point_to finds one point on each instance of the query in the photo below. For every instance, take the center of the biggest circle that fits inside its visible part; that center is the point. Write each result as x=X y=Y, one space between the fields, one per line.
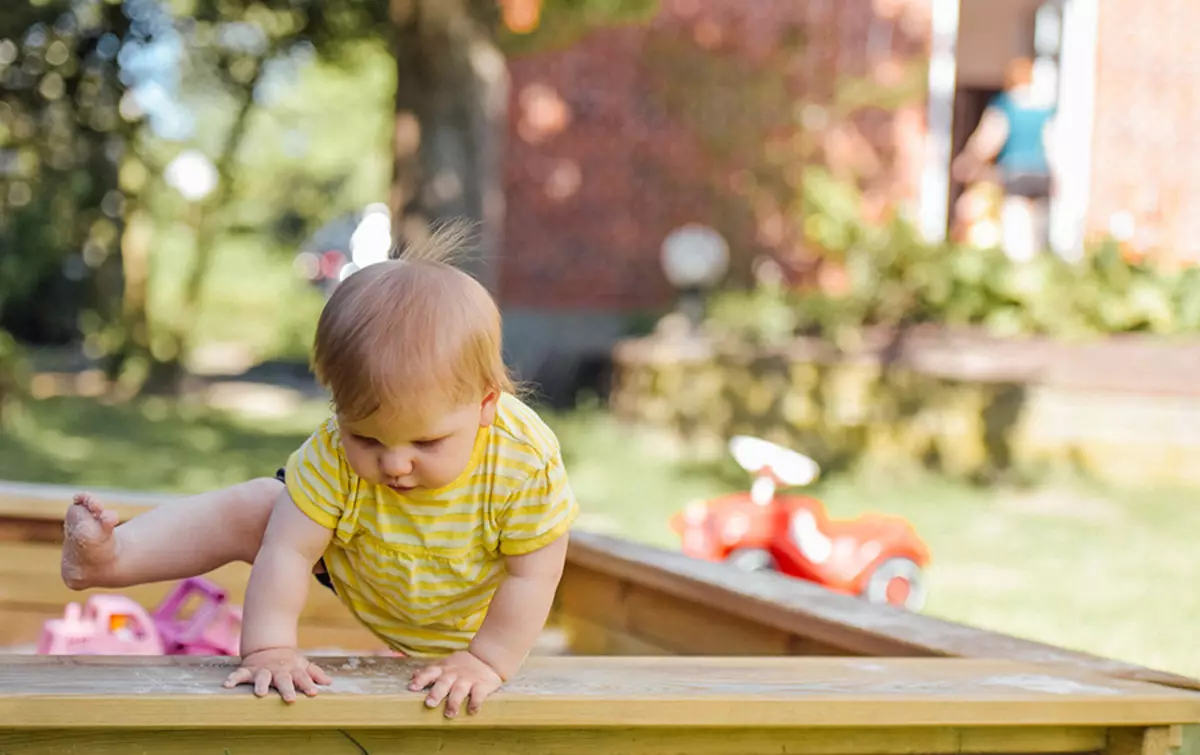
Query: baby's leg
x=172 y=541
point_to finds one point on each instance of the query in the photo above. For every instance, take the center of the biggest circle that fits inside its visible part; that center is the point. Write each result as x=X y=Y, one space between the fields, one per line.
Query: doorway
x=972 y=42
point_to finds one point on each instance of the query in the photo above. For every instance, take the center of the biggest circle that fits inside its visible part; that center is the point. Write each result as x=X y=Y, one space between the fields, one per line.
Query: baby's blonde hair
x=413 y=335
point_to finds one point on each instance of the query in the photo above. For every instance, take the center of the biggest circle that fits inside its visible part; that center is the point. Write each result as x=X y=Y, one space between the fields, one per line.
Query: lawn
x=1109 y=572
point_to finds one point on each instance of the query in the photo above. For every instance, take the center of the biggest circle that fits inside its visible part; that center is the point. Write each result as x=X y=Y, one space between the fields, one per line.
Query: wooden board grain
x=606 y=570
x=179 y=692
x=575 y=741
x=36 y=501
x=29 y=574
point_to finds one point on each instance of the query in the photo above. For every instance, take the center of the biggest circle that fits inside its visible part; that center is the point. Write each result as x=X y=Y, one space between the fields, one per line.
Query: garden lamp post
x=694 y=259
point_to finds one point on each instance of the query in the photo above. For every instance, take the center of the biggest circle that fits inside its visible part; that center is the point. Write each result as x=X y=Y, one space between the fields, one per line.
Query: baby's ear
x=487 y=407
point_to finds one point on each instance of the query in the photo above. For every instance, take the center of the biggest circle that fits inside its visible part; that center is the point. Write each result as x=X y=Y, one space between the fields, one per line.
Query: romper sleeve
x=538 y=512
x=318 y=477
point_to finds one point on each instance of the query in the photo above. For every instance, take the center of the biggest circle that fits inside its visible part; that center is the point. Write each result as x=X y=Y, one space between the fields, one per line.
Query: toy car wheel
x=751 y=559
x=898 y=582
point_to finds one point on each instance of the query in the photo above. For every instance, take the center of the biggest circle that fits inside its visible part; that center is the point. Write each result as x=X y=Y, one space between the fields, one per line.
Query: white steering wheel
x=791 y=467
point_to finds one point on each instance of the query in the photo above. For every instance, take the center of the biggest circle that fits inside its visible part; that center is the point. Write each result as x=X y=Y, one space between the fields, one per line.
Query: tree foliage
x=61 y=142
x=97 y=97
x=537 y=25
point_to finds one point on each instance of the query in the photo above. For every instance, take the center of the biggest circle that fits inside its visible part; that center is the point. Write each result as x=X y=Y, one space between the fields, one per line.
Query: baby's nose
x=396 y=464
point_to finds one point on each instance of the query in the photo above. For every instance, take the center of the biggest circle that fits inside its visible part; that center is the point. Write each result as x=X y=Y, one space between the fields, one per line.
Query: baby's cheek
x=362 y=463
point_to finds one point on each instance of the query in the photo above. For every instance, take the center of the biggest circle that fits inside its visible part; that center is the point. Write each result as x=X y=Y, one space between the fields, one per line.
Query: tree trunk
x=167 y=376
x=451 y=108
x=133 y=321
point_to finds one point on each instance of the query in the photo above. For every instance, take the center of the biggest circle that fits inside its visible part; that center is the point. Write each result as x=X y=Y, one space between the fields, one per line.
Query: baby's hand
x=454 y=679
x=285 y=669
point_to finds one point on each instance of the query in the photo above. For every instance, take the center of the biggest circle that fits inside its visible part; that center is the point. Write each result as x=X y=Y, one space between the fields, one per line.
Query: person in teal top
x=1015 y=132
x=1024 y=151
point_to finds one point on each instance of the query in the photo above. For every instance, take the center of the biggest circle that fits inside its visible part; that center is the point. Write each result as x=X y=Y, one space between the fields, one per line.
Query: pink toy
x=115 y=625
x=214 y=628
x=106 y=625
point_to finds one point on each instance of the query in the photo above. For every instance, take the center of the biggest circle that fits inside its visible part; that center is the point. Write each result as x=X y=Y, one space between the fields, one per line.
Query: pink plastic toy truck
x=115 y=625
x=105 y=625
x=214 y=628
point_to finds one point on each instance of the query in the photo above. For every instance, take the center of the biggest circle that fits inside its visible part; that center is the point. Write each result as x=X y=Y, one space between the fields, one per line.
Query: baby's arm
x=534 y=524
x=515 y=618
x=275 y=596
x=519 y=609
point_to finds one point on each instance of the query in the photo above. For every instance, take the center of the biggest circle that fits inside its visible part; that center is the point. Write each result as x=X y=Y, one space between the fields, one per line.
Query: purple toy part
x=214 y=628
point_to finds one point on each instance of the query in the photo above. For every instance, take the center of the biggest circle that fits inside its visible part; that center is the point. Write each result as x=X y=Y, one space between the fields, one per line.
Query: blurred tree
x=231 y=51
x=100 y=97
x=82 y=155
x=452 y=98
x=61 y=143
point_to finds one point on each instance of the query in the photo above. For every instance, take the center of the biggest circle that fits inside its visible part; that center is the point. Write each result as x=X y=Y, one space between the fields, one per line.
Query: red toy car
x=877 y=557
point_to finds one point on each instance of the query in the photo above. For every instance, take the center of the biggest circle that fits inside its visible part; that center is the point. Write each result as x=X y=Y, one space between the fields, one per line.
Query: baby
x=433 y=502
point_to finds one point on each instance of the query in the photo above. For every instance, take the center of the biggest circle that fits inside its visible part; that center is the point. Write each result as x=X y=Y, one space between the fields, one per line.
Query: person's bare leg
x=172 y=541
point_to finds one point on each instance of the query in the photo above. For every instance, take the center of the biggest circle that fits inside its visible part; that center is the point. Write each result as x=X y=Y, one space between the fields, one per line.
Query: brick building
x=603 y=161
x=1122 y=73
x=633 y=131
x=1145 y=162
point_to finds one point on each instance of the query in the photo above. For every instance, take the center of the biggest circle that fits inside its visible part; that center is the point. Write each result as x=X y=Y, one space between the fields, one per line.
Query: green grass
x=147 y=445
x=252 y=297
x=1108 y=572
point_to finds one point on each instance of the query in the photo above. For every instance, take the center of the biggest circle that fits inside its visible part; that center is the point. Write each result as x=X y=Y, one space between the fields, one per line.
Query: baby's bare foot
x=89 y=546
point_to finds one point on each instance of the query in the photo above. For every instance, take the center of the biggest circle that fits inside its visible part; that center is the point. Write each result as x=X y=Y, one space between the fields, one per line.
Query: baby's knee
x=254 y=500
x=249 y=512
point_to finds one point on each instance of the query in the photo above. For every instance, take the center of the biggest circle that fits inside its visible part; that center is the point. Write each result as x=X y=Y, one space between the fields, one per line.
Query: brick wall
x=601 y=164
x=1146 y=152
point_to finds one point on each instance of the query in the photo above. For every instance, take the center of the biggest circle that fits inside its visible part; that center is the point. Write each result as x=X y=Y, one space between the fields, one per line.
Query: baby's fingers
x=479 y=693
x=318 y=674
x=286 y=686
x=305 y=683
x=239 y=676
x=424 y=678
x=262 y=682
x=440 y=689
x=459 y=693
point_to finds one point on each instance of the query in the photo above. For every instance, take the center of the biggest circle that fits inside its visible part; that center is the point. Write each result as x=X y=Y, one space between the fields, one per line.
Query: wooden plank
x=18 y=530
x=1153 y=740
x=514 y=741
x=35 y=501
x=29 y=573
x=828 y=618
x=585 y=637
x=20 y=626
x=662 y=620
x=97 y=692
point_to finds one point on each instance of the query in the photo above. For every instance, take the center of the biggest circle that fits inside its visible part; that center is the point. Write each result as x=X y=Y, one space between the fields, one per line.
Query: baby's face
x=405 y=456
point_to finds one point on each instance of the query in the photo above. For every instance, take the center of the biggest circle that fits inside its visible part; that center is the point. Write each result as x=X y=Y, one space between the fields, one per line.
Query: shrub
x=12 y=370
x=886 y=276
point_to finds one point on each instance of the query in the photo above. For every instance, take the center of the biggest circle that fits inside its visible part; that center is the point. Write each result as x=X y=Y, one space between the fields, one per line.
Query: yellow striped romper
x=419 y=568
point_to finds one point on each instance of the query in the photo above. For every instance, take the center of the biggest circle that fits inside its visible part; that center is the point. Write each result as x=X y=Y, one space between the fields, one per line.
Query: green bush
x=892 y=277
x=12 y=369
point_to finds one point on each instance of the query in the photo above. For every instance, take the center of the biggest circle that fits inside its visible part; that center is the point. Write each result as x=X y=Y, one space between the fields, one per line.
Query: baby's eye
x=427 y=444
x=365 y=440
